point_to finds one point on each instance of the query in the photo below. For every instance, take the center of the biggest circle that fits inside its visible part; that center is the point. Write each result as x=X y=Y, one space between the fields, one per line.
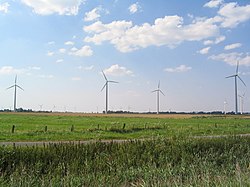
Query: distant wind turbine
x=158 y=91
x=225 y=104
x=15 y=86
x=236 y=75
x=106 y=85
x=242 y=102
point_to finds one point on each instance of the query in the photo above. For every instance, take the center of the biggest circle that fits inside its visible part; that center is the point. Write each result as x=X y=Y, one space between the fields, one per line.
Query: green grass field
x=54 y=127
x=167 y=154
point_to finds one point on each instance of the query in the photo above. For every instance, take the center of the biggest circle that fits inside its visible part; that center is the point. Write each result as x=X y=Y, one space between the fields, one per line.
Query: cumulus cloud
x=59 y=61
x=204 y=50
x=93 y=14
x=213 y=3
x=179 y=69
x=4 y=7
x=134 y=8
x=232 y=58
x=232 y=46
x=84 y=51
x=216 y=41
x=168 y=31
x=69 y=43
x=116 y=70
x=47 y=7
x=87 y=68
x=62 y=50
x=233 y=14
x=50 y=53
x=7 y=70
x=76 y=78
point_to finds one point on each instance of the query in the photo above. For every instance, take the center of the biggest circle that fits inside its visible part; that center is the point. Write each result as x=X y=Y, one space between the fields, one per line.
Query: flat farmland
x=80 y=126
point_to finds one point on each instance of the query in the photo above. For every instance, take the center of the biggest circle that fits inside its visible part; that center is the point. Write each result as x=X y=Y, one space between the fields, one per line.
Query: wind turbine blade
x=237 y=68
x=113 y=81
x=162 y=92
x=104 y=76
x=15 y=79
x=10 y=87
x=154 y=91
x=20 y=87
x=104 y=86
x=231 y=76
x=159 y=85
x=241 y=80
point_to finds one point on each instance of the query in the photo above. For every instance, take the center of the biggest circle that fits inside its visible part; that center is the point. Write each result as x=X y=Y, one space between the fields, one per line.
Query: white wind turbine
x=15 y=86
x=106 y=85
x=236 y=75
x=158 y=91
x=225 y=104
x=242 y=102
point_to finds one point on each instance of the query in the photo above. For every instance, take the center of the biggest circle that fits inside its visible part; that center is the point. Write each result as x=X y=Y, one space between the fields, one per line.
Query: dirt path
x=42 y=143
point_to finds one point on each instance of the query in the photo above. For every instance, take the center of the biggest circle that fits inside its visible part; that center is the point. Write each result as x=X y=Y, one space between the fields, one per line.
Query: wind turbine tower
x=106 y=85
x=236 y=75
x=15 y=86
x=158 y=91
x=242 y=102
x=225 y=104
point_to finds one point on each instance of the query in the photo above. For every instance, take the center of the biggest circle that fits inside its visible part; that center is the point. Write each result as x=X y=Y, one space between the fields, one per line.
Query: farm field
x=74 y=127
x=156 y=162
x=161 y=150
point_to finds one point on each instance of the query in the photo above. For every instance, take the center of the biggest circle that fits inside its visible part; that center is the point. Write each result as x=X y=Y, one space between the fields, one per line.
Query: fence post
x=13 y=129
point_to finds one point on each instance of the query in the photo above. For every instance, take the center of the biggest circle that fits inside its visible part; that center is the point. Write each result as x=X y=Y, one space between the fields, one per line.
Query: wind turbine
x=158 y=91
x=106 y=85
x=225 y=104
x=236 y=75
x=15 y=86
x=241 y=101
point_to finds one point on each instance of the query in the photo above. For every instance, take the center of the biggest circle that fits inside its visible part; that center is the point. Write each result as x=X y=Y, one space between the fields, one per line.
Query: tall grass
x=157 y=162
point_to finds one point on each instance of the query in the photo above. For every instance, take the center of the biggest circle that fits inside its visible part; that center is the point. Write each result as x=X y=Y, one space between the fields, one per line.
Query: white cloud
x=73 y=49
x=232 y=46
x=233 y=14
x=232 y=58
x=88 y=68
x=7 y=70
x=4 y=7
x=59 y=61
x=76 y=78
x=62 y=50
x=84 y=51
x=51 y=43
x=208 y=42
x=69 y=43
x=213 y=3
x=61 y=7
x=117 y=70
x=169 y=31
x=50 y=53
x=204 y=50
x=216 y=41
x=179 y=69
x=34 y=68
x=134 y=8
x=93 y=14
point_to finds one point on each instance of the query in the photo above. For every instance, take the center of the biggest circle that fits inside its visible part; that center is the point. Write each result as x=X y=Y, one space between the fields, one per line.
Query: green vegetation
x=158 y=162
x=45 y=127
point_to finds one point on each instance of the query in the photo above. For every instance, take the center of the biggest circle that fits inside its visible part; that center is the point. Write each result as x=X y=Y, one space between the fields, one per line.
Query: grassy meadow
x=73 y=127
x=162 y=150
x=157 y=162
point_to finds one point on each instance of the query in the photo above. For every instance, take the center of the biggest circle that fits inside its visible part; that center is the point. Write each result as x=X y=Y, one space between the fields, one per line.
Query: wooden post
x=13 y=129
x=72 y=128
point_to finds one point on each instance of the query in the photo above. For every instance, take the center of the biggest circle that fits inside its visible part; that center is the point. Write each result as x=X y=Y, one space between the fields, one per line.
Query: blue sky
x=59 y=48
